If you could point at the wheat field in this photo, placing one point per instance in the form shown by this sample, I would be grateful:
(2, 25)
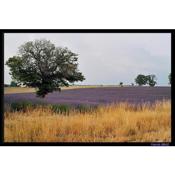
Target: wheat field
(113, 123)
(16, 90)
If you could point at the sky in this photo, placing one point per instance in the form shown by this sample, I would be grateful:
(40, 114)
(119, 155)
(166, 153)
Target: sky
(106, 58)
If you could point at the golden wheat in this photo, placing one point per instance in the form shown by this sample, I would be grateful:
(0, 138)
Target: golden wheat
(114, 123)
(15, 90)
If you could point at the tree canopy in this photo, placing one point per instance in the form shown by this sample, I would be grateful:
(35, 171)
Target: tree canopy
(141, 80)
(151, 80)
(146, 79)
(42, 65)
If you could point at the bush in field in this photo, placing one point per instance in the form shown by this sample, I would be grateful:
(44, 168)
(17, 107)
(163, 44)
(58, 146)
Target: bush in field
(41, 65)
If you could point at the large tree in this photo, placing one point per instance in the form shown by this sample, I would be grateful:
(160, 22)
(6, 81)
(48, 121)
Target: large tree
(42, 65)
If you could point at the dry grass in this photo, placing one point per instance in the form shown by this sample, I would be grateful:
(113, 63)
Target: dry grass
(14, 90)
(114, 123)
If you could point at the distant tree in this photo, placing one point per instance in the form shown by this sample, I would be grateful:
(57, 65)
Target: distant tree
(13, 84)
(169, 78)
(151, 80)
(41, 65)
(121, 84)
(141, 80)
(132, 84)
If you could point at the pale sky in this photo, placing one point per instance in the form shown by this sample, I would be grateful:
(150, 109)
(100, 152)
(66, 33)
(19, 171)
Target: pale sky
(106, 58)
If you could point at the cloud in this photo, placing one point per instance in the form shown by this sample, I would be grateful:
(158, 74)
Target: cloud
(108, 58)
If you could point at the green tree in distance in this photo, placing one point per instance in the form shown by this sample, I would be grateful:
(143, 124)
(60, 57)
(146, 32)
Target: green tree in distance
(169, 78)
(151, 80)
(146, 79)
(141, 80)
(42, 65)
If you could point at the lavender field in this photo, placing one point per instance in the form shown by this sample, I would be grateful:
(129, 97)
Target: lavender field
(97, 96)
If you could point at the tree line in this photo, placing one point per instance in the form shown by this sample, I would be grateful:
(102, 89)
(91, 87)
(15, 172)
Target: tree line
(150, 80)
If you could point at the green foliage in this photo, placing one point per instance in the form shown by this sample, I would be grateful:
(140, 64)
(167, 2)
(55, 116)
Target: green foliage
(169, 78)
(13, 84)
(43, 66)
(151, 80)
(141, 80)
(146, 79)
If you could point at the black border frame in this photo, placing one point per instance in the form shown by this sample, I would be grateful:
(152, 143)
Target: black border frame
(3, 31)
